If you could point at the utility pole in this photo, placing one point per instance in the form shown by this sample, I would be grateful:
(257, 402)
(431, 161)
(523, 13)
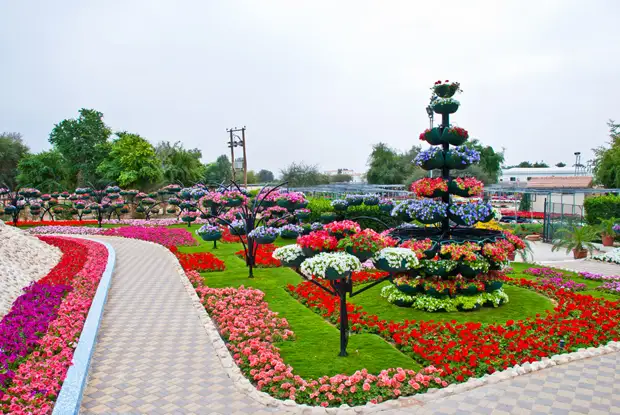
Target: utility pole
(235, 141)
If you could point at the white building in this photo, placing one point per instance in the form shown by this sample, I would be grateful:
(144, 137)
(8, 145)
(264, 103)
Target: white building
(525, 174)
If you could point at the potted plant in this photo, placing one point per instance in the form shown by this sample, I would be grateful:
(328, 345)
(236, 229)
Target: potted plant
(209, 200)
(465, 186)
(423, 248)
(209, 233)
(362, 244)
(461, 157)
(386, 205)
(470, 213)
(264, 234)
(354, 200)
(339, 205)
(342, 228)
(430, 159)
(302, 214)
(606, 229)
(327, 217)
(237, 227)
(291, 231)
(431, 136)
(233, 198)
(405, 209)
(429, 187)
(316, 242)
(189, 217)
(445, 105)
(454, 135)
(438, 267)
(292, 200)
(408, 285)
(289, 255)
(371, 199)
(330, 266)
(396, 259)
(446, 89)
(577, 239)
(430, 211)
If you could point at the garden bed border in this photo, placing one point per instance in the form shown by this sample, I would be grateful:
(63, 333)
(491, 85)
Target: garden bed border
(70, 395)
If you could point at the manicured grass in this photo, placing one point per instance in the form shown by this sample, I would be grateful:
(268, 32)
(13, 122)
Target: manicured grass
(314, 353)
(591, 290)
(523, 303)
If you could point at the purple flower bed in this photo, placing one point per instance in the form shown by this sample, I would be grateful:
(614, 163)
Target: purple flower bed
(612, 287)
(598, 277)
(23, 326)
(544, 272)
(559, 282)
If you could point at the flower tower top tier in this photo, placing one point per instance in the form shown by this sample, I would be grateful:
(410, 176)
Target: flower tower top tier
(449, 151)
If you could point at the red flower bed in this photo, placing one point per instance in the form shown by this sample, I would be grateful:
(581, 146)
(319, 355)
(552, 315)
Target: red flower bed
(229, 238)
(466, 350)
(363, 277)
(199, 261)
(73, 259)
(263, 256)
(53, 222)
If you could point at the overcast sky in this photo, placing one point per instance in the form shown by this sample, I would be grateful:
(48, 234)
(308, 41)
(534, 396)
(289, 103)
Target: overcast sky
(315, 81)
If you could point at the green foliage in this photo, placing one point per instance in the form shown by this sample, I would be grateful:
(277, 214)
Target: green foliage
(340, 178)
(524, 229)
(490, 162)
(319, 206)
(526, 203)
(132, 162)
(47, 171)
(252, 177)
(607, 160)
(265, 176)
(560, 164)
(83, 143)
(301, 174)
(606, 227)
(575, 238)
(601, 207)
(388, 166)
(12, 150)
(179, 164)
(218, 172)
(537, 164)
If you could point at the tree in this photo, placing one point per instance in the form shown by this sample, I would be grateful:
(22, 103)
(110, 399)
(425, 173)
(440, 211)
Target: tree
(560, 164)
(83, 143)
(218, 172)
(252, 177)
(132, 162)
(525, 164)
(388, 166)
(12, 150)
(537, 164)
(46, 171)
(340, 178)
(607, 160)
(178, 164)
(301, 174)
(265, 176)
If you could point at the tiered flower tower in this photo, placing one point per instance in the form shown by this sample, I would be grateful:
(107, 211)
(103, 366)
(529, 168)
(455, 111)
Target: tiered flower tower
(460, 266)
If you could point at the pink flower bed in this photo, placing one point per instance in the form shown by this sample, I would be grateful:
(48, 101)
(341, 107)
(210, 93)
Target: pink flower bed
(39, 378)
(159, 235)
(250, 329)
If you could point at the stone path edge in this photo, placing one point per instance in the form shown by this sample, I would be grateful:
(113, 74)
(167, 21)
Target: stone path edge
(70, 396)
(288, 406)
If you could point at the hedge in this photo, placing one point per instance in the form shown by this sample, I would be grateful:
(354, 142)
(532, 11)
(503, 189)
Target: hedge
(319, 206)
(601, 207)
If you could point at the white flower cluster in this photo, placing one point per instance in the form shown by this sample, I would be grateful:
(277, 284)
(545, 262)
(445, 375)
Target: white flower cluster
(612, 256)
(288, 253)
(341, 262)
(395, 256)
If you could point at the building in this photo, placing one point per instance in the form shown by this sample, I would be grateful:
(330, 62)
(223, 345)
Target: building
(564, 193)
(357, 177)
(519, 175)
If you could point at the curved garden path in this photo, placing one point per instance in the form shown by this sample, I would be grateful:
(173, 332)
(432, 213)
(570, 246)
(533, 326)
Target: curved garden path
(154, 356)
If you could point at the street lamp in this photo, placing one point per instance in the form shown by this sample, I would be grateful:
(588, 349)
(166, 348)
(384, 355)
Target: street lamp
(577, 161)
(429, 111)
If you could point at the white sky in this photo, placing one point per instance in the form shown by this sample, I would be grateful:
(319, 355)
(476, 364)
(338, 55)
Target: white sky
(315, 81)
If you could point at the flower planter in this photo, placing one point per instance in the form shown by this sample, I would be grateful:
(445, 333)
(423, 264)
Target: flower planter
(608, 240)
(445, 90)
(433, 292)
(386, 208)
(237, 232)
(302, 215)
(580, 254)
(371, 202)
(287, 234)
(468, 290)
(294, 263)
(434, 219)
(454, 161)
(268, 203)
(466, 271)
(430, 253)
(436, 162)
(328, 217)
(265, 239)
(211, 236)
(465, 310)
(332, 274)
(439, 272)
(452, 138)
(309, 252)
(340, 208)
(233, 202)
(458, 220)
(512, 256)
(408, 289)
(188, 219)
(495, 265)
(301, 205)
(355, 202)
(383, 265)
(454, 189)
(445, 108)
(433, 137)
(492, 286)
(361, 255)
(403, 303)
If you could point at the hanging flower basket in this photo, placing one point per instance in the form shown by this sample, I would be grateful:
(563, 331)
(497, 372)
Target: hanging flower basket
(431, 136)
(445, 105)
(289, 255)
(470, 213)
(430, 211)
(454, 189)
(433, 292)
(209, 233)
(342, 228)
(124, 210)
(407, 286)
(430, 159)
(468, 289)
(493, 286)
(291, 231)
(363, 256)
(264, 234)
(330, 266)
(302, 214)
(439, 268)
(455, 161)
(354, 200)
(301, 205)
(461, 157)
(396, 259)
(456, 136)
(339, 205)
(429, 187)
(430, 253)
(446, 89)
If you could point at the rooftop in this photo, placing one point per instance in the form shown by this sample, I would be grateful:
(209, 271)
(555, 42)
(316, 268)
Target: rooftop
(560, 182)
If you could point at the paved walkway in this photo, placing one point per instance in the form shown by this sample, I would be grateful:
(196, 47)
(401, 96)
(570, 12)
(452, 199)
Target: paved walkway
(154, 357)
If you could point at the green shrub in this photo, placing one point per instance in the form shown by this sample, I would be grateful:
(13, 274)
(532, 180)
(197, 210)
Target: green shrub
(524, 229)
(318, 206)
(601, 207)
(354, 212)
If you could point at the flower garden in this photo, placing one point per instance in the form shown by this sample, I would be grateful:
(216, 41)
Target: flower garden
(432, 302)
